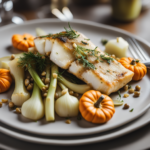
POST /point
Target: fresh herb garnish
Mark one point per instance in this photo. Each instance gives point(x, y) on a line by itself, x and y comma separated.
point(108, 71)
point(69, 33)
point(104, 41)
point(122, 101)
point(137, 61)
point(119, 95)
point(82, 54)
point(84, 43)
point(108, 59)
point(31, 60)
point(87, 39)
point(131, 110)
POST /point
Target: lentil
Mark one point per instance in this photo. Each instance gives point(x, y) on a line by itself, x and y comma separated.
point(43, 73)
point(136, 94)
point(68, 121)
point(76, 94)
point(45, 94)
point(47, 80)
point(46, 86)
point(43, 79)
point(18, 110)
point(30, 87)
point(27, 82)
point(137, 88)
point(4, 100)
point(71, 92)
point(131, 91)
point(56, 95)
point(126, 87)
point(12, 57)
point(126, 95)
point(11, 104)
point(43, 88)
point(126, 106)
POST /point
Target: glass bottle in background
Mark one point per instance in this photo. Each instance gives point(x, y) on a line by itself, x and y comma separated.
point(7, 15)
point(126, 10)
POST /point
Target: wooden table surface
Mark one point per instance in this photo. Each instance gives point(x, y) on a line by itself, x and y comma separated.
point(101, 13)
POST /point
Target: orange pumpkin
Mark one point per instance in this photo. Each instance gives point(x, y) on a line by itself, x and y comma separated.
point(23, 42)
point(5, 80)
point(136, 66)
point(96, 107)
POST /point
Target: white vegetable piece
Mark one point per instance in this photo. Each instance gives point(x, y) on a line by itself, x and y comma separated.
point(40, 32)
point(49, 102)
point(117, 46)
point(4, 61)
point(40, 45)
point(33, 108)
point(20, 94)
point(66, 105)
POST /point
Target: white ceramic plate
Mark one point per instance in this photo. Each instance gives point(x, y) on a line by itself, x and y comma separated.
point(100, 137)
point(95, 32)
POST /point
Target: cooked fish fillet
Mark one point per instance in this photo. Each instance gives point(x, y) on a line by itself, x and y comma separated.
point(106, 78)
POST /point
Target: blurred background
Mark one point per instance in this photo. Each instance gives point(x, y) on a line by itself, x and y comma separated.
point(130, 15)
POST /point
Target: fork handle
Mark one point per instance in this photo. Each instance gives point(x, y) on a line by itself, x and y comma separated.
point(147, 63)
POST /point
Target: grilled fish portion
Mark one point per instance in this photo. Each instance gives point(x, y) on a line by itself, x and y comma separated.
point(107, 77)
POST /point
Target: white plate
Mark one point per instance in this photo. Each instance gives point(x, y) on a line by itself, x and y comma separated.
point(112, 134)
point(59, 128)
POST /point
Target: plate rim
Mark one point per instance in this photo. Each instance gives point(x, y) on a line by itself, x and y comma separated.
point(92, 131)
point(89, 140)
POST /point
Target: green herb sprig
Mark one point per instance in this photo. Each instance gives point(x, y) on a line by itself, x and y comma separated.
point(82, 55)
point(108, 59)
point(104, 41)
point(131, 109)
point(31, 60)
point(69, 33)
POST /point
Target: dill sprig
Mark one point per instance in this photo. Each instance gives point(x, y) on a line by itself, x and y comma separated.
point(69, 33)
point(31, 60)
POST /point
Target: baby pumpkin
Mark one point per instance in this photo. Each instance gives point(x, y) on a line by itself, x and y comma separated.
point(96, 107)
point(5, 80)
point(23, 42)
point(135, 66)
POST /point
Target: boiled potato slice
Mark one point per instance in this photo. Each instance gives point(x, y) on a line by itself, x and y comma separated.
point(117, 46)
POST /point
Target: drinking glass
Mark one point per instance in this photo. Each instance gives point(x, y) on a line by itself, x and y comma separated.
point(7, 15)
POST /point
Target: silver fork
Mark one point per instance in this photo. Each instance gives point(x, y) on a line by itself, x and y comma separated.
point(138, 53)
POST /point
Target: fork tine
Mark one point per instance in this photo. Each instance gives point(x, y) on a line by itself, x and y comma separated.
point(140, 49)
point(136, 50)
point(132, 50)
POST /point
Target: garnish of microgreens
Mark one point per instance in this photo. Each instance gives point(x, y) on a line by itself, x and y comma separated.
point(69, 33)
